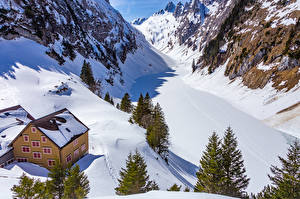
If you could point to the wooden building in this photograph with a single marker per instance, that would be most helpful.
(59, 136)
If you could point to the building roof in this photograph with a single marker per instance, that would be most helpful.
(61, 127)
(12, 121)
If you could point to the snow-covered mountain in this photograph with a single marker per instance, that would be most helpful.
(67, 32)
(33, 40)
(249, 46)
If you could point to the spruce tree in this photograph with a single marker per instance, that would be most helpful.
(87, 74)
(211, 175)
(107, 97)
(126, 105)
(138, 111)
(57, 176)
(235, 181)
(29, 188)
(194, 66)
(187, 189)
(147, 116)
(174, 187)
(286, 180)
(76, 185)
(134, 179)
(157, 134)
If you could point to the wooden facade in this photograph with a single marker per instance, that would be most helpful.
(37, 142)
(32, 145)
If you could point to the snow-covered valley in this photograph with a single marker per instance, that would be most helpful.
(195, 105)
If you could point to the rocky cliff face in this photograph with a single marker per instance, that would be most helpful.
(257, 40)
(260, 42)
(91, 28)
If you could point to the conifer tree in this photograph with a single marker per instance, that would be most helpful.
(112, 101)
(147, 117)
(126, 105)
(134, 179)
(211, 174)
(157, 134)
(286, 180)
(108, 98)
(57, 176)
(76, 185)
(193, 66)
(87, 74)
(138, 111)
(174, 187)
(29, 188)
(187, 189)
(235, 181)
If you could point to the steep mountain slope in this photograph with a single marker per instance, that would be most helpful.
(251, 43)
(70, 31)
(111, 136)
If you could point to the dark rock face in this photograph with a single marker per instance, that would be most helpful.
(139, 21)
(170, 7)
(91, 28)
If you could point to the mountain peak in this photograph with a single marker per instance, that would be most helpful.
(170, 7)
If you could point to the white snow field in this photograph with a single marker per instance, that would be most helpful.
(168, 195)
(111, 136)
(193, 115)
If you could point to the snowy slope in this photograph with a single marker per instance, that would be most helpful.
(192, 116)
(112, 137)
(169, 195)
(263, 102)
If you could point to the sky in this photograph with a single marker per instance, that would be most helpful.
(132, 9)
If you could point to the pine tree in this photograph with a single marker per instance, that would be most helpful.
(157, 134)
(187, 189)
(194, 66)
(286, 180)
(138, 111)
(87, 74)
(174, 187)
(29, 188)
(126, 105)
(134, 179)
(57, 176)
(211, 174)
(235, 181)
(107, 97)
(76, 185)
(112, 101)
(147, 116)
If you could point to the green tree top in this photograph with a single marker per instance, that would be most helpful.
(134, 179)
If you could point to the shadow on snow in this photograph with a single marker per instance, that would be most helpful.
(150, 84)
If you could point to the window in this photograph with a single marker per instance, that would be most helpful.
(10, 161)
(75, 142)
(22, 159)
(25, 149)
(26, 138)
(76, 153)
(47, 150)
(68, 130)
(44, 139)
(83, 147)
(35, 143)
(69, 158)
(33, 129)
(37, 155)
(51, 163)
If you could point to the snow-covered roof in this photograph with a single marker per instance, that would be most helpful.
(12, 121)
(61, 127)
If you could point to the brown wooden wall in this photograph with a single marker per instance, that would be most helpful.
(70, 149)
(19, 142)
